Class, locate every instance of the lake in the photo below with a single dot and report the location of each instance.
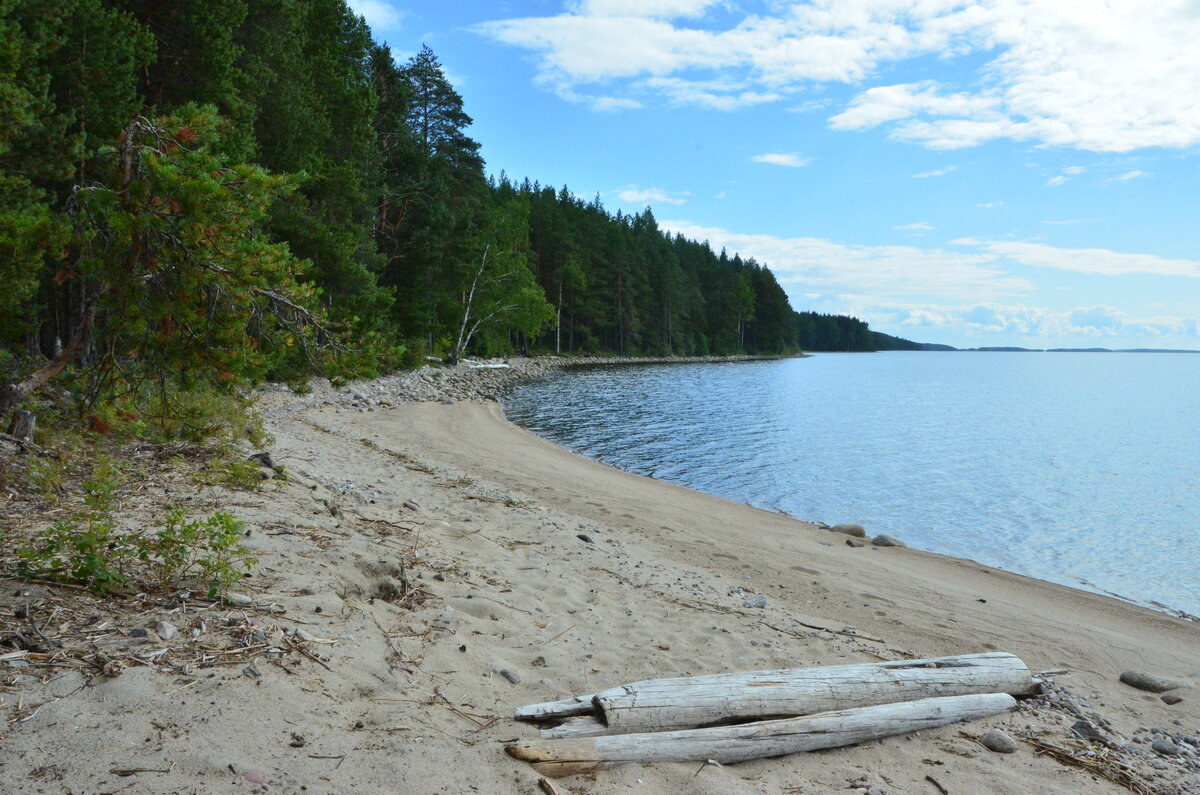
(1080, 468)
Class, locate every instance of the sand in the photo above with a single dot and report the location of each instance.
(400, 687)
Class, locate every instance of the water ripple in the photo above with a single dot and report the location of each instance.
(1077, 468)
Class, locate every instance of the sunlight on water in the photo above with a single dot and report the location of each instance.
(1077, 468)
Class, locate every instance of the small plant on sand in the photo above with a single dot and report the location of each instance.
(210, 550)
(90, 550)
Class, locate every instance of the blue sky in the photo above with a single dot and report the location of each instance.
(1008, 172)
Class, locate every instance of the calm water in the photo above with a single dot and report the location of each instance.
(1082, 468)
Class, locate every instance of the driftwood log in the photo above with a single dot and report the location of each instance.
(658, 705)
(727, 744)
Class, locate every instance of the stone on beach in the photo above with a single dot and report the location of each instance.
(855, 530)
(884, 540)
(998, 741)
(1153, 682)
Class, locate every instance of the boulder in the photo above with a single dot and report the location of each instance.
(855, 530)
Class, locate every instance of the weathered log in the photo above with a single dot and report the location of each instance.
(728, 744)
(690, 702)
(22, 425)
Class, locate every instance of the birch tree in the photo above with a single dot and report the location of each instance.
(500, 291)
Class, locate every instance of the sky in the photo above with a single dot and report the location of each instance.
(1001, 172)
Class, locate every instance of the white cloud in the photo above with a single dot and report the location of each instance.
(1074, 170)
(379, 14)
(1112, 76)
(635, 195)
(1128, 175)
(1054, 182)
(783, 159)
(1062, 223)
(665, 9)
(990, 205)
(920, 226)
(897, 270)
(1094, 261)
(1033, 326)
(941, 172)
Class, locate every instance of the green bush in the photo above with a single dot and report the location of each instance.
(89, 550)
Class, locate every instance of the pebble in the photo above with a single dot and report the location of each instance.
(165, 630)
(585, 538)
(539, 662)
(238, 599)
(1086, 730)
(884, 540)
(1170, 699)
(510, 676)
(1166, 747)
(1153, 682)
(254, 777)
(138, 633)
(998, 741)
(758, 600)
(854, 542)
(855, 530)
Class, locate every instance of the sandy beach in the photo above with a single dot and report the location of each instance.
(427, 567)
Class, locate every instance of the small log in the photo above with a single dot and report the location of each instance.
(553, 710)
(22, 425)
(729, 744)
(690, 702)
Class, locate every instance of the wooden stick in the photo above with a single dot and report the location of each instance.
(728, 744)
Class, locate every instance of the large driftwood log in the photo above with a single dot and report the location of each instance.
(689, 702)
(727, 744)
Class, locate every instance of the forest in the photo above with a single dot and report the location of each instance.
(205, 195)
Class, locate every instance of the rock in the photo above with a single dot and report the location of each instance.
(539, 662)
(758, 600)
(1086, 730)
(1166, 747)
(998, 741)
(584, 538)
(510, 676)
(166, 630)
(855, 530)
(238, 599)
(138, 633)
(412, 506)
(263, 459)
(854, 542)
(254, 777)
(1154, 683)
(884, 540)
(1170, 699)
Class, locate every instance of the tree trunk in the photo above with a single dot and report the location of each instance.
(22, 425)
(728, 744)
(13, 393)
(689, 702)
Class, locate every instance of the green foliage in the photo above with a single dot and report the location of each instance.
(208, 550)
(90, 550)
(191, 290)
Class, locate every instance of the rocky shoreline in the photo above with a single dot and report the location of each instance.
(477, 380)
